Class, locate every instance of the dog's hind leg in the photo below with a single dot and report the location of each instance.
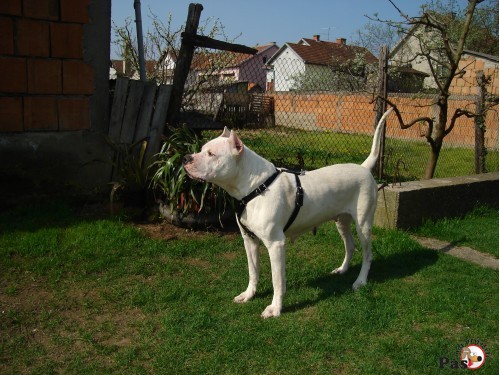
(344, 227)
(252, 250)
(364, 229)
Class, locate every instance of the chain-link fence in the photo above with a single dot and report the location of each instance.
(306, 115)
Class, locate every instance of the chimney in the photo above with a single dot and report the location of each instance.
(341, 41)
(316, 38)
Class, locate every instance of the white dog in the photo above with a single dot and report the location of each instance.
(272, 201)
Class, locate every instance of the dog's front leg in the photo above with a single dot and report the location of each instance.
(277, 256)
(252, 250)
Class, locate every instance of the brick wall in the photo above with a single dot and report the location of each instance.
(45, 84)
(352, 113)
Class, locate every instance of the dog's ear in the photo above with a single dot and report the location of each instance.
(225, 133)
(236, 143)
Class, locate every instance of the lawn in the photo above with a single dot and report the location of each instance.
(87, 295)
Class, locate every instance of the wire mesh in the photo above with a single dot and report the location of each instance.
(306, 116)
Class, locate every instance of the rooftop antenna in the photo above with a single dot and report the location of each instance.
(327, 31)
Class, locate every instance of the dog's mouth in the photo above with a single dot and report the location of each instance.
(199, 179)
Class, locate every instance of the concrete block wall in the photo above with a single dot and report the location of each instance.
(408, 205)
(467, 84)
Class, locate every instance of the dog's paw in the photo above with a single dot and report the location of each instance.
(358, 284)
(270, 312)
(339, 271)
(243, 297)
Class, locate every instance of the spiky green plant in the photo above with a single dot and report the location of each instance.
(170, 181)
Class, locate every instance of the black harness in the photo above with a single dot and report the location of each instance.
(299, 199)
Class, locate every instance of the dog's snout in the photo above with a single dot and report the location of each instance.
(187, 159)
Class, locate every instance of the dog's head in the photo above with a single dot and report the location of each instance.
(217, 160)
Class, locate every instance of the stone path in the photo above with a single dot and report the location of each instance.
(462, 252)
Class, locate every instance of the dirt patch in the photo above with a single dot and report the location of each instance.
(157, 229)
(167, 232)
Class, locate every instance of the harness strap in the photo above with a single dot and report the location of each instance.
(299, 199)
(262, 188)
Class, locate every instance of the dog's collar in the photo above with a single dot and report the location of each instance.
(299, 199)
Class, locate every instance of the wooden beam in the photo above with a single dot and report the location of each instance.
(189, 41)
(206, 42)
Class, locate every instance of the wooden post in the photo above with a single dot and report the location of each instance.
(183, 63)
(190, 40)
(381, 104)
(479, 120)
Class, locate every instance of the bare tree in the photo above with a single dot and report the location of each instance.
(375, 35)
(162, 44)
(442, 52)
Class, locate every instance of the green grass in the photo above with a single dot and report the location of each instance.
(314, 149)
(478, 229)
(89, 296)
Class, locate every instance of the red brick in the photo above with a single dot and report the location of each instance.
(12, 7)
(44, 76)
(40, 113)
(11, 114)
(7, 33)
(32, 38)
(42, 9)
(14, 74)
(74, 113)
(78, 77)
(66, 40)
(75, 11)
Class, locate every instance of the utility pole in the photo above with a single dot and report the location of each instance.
(140, 43)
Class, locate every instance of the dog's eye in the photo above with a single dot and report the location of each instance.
(210, 153)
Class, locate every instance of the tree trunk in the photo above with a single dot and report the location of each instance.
(437, 137)
(432, 163)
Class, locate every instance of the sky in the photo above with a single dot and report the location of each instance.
(263, 21)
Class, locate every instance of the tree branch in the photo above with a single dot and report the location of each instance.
(402, 125)
(458, 113)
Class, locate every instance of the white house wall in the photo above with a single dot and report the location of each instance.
(286, 66)
(406, 57)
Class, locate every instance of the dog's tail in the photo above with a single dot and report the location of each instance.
(371, 160)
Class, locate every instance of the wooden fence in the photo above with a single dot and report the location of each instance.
(139, 112)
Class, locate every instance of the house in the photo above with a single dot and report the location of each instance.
(406, 55)
(211, 67)
(405, 79)
(162, 70)
(312, 64)
(228, 67)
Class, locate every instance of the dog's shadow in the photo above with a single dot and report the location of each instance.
(383, 269)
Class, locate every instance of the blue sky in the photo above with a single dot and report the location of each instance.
(262, 21)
